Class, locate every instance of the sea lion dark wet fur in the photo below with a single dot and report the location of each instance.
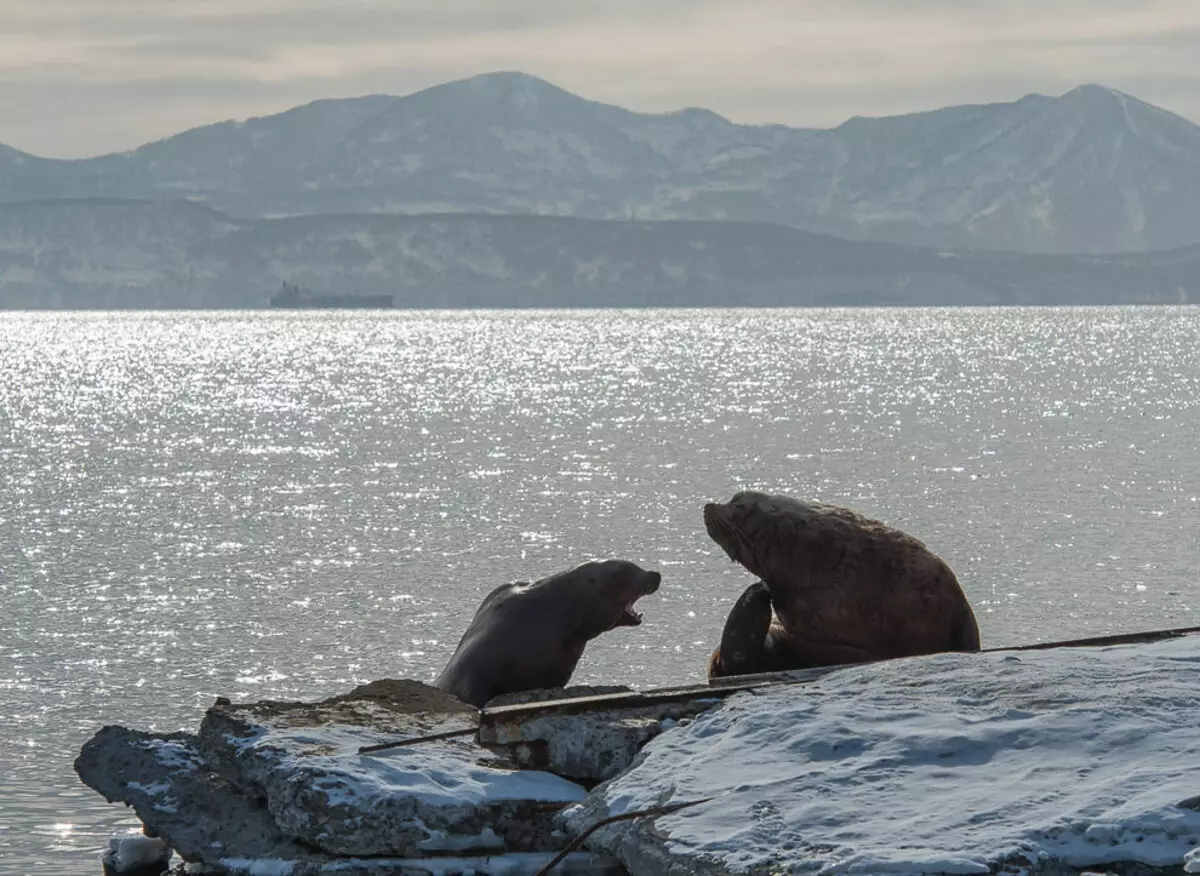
(835, 587)
(531, 636)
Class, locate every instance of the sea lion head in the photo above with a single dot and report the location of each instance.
(754, 529)
(594, 597)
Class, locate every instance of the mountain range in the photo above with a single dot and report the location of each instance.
(502, 163)
(175, 254)
(1093, 170)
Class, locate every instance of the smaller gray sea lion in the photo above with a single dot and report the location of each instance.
(531, 636)
(834, 587)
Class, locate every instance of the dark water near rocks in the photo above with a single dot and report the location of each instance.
(285, 505)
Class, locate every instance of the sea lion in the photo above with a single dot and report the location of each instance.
(835, 588)
(529, 636)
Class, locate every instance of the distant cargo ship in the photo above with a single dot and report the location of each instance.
(293, 296)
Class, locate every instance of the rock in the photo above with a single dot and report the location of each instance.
(586, 745)
(282, 788)
(587, 748)
(545, 695)
(439, 796)
(516, 864)
(179, 798)
(1048, 762)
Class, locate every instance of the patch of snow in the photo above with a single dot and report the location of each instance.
(1191, 861)
(513, 864)
(440, 841)
(263, 867)
(434, 775)
(946, 764)
(151, 790)
(159, 792)
(440, 778)
(134, 850)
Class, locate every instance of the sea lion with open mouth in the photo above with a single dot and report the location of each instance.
(531, 636)
(834, 587)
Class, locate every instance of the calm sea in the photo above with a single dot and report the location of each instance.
(286, 505)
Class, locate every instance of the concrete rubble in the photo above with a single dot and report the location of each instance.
(285, 783)
(1055, 762)
(587, 734)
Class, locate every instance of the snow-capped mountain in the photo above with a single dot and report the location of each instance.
(1091, 171)
(106, 253)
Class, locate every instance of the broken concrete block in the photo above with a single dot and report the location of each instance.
(587, 734)
(179, 798)
(515, 864)
(438, 796)
(133, 852)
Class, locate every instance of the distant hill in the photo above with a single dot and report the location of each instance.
(112, 253)
(1094, 170)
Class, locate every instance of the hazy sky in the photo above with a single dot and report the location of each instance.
(81, 77)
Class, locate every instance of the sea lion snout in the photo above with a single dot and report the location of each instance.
(648, 582)
(713, 521)
(718, 525)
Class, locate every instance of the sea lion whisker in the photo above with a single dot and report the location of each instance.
(748, 546)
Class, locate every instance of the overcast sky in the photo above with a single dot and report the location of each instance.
(83, 77)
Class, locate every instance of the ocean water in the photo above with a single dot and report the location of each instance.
(288, 504)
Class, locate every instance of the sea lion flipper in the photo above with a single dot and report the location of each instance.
(966, 637)
(743, 641)
(785, 652)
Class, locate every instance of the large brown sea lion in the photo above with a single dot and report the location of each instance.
(835, 587)
(530, 636)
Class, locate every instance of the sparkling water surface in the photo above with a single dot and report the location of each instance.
(288, 504)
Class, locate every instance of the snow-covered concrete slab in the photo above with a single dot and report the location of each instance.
(180, 799)
(965, 763)
(280, 789)
(443, 796)
(516, 864)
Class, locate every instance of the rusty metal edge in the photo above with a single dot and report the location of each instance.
(719, 688)
(629, 700)
(1103, 641)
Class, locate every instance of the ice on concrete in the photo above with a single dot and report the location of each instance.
(133, 851)
(964, 763)
(515, 864)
